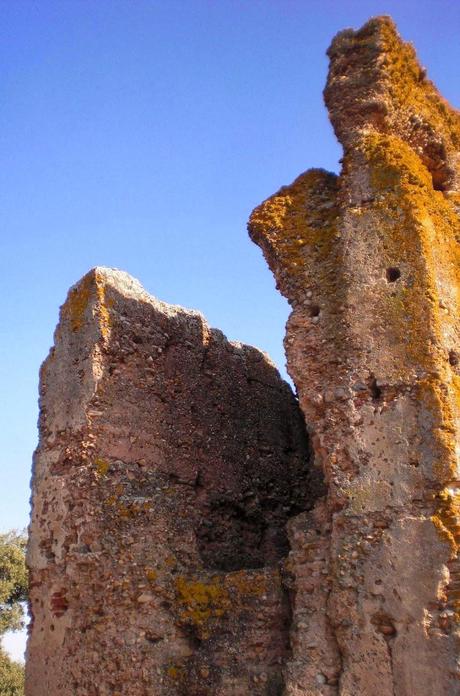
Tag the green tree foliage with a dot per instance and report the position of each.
(13, 591)
(11, 676)
(13, 580)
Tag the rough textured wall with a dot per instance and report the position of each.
(370, 263)
(169, 462)
(174, 549)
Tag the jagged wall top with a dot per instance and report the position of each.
(376, 82)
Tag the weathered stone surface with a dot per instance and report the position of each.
(169, 462)
(176, 546)
(370, 263)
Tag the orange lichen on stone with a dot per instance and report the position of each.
(201, 601)
(151, 574)
(424, 234)
(90, 289)
(103, 310)
(102, 466)
(176, 673)
(375, 81)
(246, 584)
(298, 221)
(77, 302)
(417, 227)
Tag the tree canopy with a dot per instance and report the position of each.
(11, 676)
(13, 592)
(13, 580)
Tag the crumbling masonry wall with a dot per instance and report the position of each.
(182, 543)
(370, 263)
(169, 462)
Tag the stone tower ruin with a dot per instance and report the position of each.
(196, 530)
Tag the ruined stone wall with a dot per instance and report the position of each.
(182, 542)
(370, 262)
(169, 462)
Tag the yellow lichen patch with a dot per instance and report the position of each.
(444, 532)
(92, 286)
(170, 561)
(201, 601)
(102, 466)
(447, 522)
(77, 303)
(103, 312)
(399, 188)
(125, 507)
(125, 511)
(419, 231)
(399, 73)
(446, 517)
(394, 163)
(175, 672)
(247, 583)
(151, 574)
(132, 508)
(299, 222)
(403, 76)
(298, 231)
(111, 500)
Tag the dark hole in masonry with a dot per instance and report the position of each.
(375, 390)
(453, 357)
(393, 274)
(439, 183)
(314, 310)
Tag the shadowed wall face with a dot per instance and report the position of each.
(169, 463)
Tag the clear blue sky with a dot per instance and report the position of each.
(140, 134)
